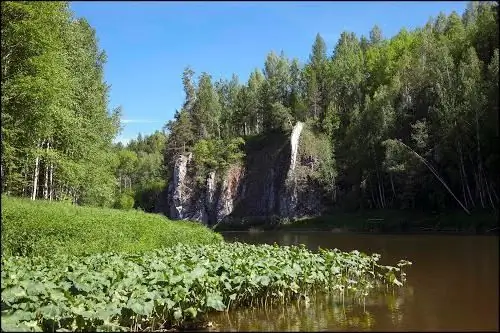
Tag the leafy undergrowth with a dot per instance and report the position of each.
(41, 228)
(177, 286)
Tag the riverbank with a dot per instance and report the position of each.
(43, 228)
(71, 268)
(66, 267)
(379, 221)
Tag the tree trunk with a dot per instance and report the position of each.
(383, 191)
(51, 174)
(380, 193)
(35, 176)
(494, 192)
(463, 176)
(46, 178)
(463, 185)
(479, 191)
(479, 161)
(380, 189)
(437, 176)
(46, 182)
(371, 191)
(489, 193)
(392, 186)
(466, 182)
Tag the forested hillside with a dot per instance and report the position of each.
(412, 121)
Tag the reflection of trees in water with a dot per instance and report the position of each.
(324, 312)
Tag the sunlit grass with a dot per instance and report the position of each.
(45, 228)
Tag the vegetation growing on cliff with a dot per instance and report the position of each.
(315, 158)
(216, 155)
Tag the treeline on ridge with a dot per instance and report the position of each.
(403, 115)
(412, 121)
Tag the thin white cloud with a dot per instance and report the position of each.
(122, 139)
(138, 121)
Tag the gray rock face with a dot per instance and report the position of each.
(228, 193)
(238, 195)
(178, 190)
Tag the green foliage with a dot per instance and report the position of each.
(281, 117)
(140, 171)
(125, 202)
(174, 286)
(316, 148)
(217, 155)
(147, 196)
(38, 228)
(206, 110)
(57, 129)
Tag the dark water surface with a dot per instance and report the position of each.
(452, 285)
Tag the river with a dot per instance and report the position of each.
(452, 285)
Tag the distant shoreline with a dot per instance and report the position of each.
(351, 232)
(376, 222)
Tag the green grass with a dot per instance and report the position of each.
(41, 228)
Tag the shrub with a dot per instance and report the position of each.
(216, 155)
(125, 201)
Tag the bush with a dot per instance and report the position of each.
(315, 147)
(46, 228)
(125, 201)
(217, 155)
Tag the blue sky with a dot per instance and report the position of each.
(148, 44)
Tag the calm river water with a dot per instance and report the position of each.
(452, 285)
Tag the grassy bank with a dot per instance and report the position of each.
(44, 228)
(383, 221)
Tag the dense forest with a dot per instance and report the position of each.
(412, 121)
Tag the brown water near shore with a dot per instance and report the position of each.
(452, 285)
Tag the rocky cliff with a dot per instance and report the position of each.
(273, 180)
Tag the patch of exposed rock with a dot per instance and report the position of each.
(265, 185)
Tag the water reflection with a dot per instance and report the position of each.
(453, 285)
(324, 312)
